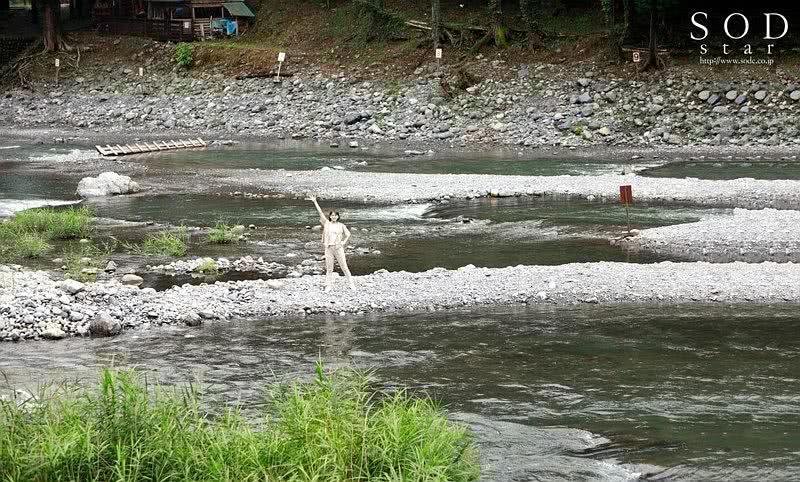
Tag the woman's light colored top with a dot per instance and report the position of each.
(333, 234)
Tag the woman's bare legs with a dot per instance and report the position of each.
(329, 256)
(339, 252)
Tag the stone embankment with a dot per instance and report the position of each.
(544, 105)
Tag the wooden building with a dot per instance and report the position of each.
(175, 20)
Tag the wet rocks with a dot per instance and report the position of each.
(106, 184)
(104, 325)
(132, 280)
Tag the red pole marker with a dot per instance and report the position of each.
(626, 194)
(626, 198)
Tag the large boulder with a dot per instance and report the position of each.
(106, 184)
(105, 325)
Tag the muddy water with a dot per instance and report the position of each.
(701, 392)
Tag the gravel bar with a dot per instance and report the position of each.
(744, 235)
(35, 306)
(395, 187)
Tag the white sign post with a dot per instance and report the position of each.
(141, 71)
(58, 67)
(281, 58)
(637, 57)
(438, 57)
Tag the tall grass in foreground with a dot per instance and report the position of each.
(332, 429)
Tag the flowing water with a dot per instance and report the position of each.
(697, 392)
(726, 170)
(597, 392)
(288, 156)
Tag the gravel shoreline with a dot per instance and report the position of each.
(744, 235)
(394, 187)
(38, 307)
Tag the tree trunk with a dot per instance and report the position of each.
(653, 61)
(530, 10)
(51, 24)
(652, 34)
(436, 22)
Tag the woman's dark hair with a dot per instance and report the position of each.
(332, 213)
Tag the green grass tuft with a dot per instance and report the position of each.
(332, 429)
(70, 223)
(164, 243)
(222, 234)
(22, 245)
(208, 267)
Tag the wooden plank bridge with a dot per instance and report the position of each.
(141, 148)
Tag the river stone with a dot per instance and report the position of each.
(111, 266)
(53, 332)
(704, 95)
(275, 284)
(106, 184)
(191, 319)
(761, 95)
(741, 99)
(712, 99)
(584, 98)
(132, 280)
(795, 95)
(72, 286)
(731, 95)
(104, 325)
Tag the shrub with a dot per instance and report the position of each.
(183, 54)
(331, 429)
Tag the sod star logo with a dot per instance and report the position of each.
(736, 27)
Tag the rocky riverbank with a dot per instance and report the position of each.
(34, 306)
(510, 105)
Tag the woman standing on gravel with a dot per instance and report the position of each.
(334, 238)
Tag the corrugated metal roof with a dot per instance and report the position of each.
(239, 9)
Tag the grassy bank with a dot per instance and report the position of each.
(332, 429)
(28, 233)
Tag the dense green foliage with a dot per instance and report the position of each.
(331, 429)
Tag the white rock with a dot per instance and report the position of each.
(106, 184)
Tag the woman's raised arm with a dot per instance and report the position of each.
(322, 218)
